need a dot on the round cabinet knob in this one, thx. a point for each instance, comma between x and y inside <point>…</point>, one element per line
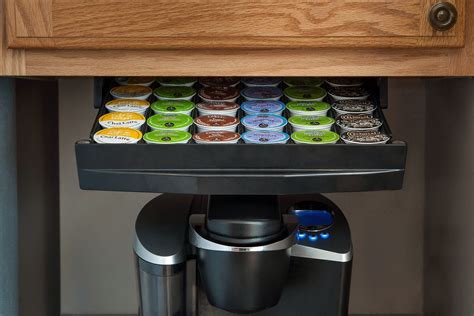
<point>443,16</point>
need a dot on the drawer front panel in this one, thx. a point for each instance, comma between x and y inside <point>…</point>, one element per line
<point>216,24</point>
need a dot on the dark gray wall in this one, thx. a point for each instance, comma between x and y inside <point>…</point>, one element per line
<point>38,196</point>
<point>387,226</point>
<point>8,201</point>
<point>449,212</point>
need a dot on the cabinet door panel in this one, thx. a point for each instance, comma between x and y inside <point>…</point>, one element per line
<point>222,23</point>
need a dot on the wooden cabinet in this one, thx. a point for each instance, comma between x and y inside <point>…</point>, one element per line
<point>190,24</point>
<point>232,38</point>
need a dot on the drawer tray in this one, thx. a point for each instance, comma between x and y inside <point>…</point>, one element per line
<point>239,168</point>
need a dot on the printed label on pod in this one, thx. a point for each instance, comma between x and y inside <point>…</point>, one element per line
<point>311,120</point>
<point>356,121</point>
<point>174,92</point>
<point>262,106</point>
<point>265,137</point>
<point>119,135</point>
<point>216,136</point>
<point>166,137</point>
<point>349,92</point>
<point>263,121</point>
<point>345,81</point>
<point>219,93</point>
<point>366,137</point>
<point>305,92</point>
<point>177,81</point>
<point>169,121</point>
<point>315,137</point>
<point>217,106</point>
<point>127,105</point>
<point>261,81</point>
<point>135,81</point>
<point>219,81</point>
<point>122,119</point>
<point>216,120</point>
<point>172,106</point>
<point>130,92</point>
<point>308,106</point>
<point>353,106</point>
<point>262,93</point>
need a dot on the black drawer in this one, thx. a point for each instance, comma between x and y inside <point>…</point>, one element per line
<point>240,168</point>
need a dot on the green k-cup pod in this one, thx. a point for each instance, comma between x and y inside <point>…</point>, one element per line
<point>304,81</point>
<point>309,107</point>
<point>311,122</point>
<point>174,93</point>
<point>170,122</point>
<point>167,137</point>
<point>305,93</point>
<point>315,137</point>
<point>172,106</point>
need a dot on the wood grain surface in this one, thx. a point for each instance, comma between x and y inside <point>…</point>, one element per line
<point>188,24</point>
<point>243,62</point>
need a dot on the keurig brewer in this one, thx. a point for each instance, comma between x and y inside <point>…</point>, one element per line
<point>257,255</point>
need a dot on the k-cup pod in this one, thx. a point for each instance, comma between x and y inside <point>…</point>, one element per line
<point>219,81</point>
<point>218,107</point>
<point>216,123</point>
<point>365,137</point>
<point>262,93</point>
<point>216,137</point>
<point>345,82</point>
<point>173,107</point>
<point>135,81</point>
<point>263,107</point>
<point>167,137</point>
<point>303,81</point>
<point>262,122</point>
<point>174,93</point>
<point>131,92</point>
<point>358,122</point>
<point>348,93</point>
<point>118,135</point>
<point>211,94</point>
<point>305,93</point>
<point>311,122</point>
<point>315,137</point>
<point>353,107</point>
<point>305,108</point>
<point>176,81</point>
<point>122,119</point>
<point>177,122</point>
<point>261,81</point>
<point>127,105</point>
<point>265,137</point>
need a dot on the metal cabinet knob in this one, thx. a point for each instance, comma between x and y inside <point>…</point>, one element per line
<point>443,16</point>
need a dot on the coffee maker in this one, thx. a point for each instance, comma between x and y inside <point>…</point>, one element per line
<point>240,254</point>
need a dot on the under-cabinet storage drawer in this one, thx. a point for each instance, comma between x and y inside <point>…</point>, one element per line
<point>147,24</point>
<point>243,168</point>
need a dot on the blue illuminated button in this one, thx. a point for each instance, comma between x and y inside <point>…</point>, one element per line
<point>313,237</point>
<point>301,235</point>
<point>324,235</point>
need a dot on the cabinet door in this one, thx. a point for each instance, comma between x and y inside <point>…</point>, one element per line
<point>160,24</point>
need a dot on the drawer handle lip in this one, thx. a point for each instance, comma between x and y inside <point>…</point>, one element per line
<point>221,174</point>
<point>443,16</point>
